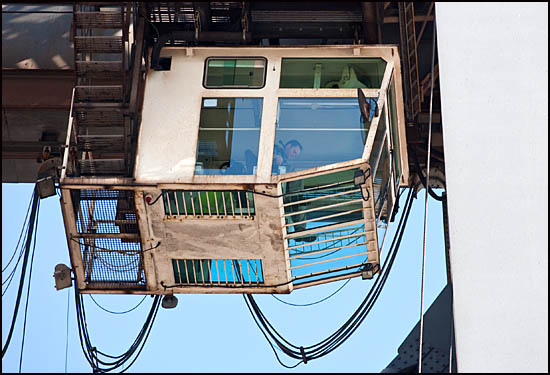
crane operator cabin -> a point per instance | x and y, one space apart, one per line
258 170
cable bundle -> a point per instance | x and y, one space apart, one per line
92 354
324 347
30 226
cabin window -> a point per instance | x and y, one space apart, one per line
333 73
311 132
229 136
235 73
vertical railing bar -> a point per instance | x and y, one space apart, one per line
194 271
241 271
248 271
186 272
192 203
179 272
200 203
256 271
217 271
224 206
177 205
232 203
233 271
240 203
216 203
201 270
225 272
184 204
208 202
169 203
247 203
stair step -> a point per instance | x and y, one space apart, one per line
102 167
104 44
105 117
109 70
101 94
99 20
112 143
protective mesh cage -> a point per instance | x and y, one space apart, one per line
109 238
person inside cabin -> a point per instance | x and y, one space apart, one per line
284 154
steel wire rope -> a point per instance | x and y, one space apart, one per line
67 330
117 312
23 230
337 338
29 287
23 271
421 327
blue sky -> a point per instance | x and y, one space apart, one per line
213 333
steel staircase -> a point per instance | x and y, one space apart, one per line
102 126
410 59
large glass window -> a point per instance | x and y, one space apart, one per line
338 73
229 136
311 132
235 73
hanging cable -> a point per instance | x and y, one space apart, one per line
20 235
29 288
313 303
420 341
34 210
100 361
329 344
117 312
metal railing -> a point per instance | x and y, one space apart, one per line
218 272
209 204
326 230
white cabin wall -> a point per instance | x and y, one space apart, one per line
493 63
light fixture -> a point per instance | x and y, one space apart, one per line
62 276
46 187
169 301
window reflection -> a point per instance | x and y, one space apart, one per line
312 132
332 73
229 136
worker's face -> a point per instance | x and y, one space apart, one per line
292 152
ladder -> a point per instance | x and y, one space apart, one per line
101 126
409 58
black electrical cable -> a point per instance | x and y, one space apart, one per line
337 338
316 302
92 354
117 312
23 230
422 177
29 288
34 210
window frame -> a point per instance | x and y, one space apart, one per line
205 70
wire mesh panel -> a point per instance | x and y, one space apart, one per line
209 204
218 271
109 238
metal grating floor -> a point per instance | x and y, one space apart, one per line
109 238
